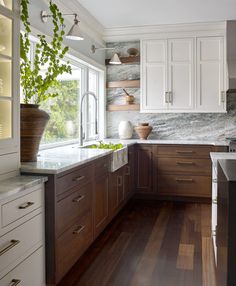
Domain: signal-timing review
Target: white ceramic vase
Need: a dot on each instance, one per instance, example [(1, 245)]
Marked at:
[(125, 130)]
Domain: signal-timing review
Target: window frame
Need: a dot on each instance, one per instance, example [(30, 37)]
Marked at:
[(74, 58)]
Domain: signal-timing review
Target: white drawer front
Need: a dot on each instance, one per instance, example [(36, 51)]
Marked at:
[(20, 207), (20, 240), (30, 272)]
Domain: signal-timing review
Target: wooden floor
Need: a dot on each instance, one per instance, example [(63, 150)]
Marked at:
[(151, 244)]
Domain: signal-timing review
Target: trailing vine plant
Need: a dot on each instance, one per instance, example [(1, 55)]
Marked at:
[(35, 85)]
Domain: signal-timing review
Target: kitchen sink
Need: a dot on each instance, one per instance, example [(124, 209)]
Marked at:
[(119, 157)]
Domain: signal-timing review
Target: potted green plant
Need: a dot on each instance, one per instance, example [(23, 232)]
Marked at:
[(37, 86)]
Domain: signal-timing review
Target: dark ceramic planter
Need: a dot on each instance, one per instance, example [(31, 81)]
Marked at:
[(32, 126)]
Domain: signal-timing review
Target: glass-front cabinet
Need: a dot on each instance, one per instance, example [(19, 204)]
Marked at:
[(9, 85)]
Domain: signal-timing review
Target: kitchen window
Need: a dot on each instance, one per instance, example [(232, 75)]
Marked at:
[(64, 110)]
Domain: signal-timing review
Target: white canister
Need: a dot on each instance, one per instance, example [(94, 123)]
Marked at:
[(125, 130)]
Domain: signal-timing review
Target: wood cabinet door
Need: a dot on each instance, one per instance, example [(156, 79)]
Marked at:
[(210, 74), (144, 169), (181, 74), (100, 204), (154, 75)]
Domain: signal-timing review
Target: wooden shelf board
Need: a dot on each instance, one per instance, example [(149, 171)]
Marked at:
[(124, 107), (126, 60), (123, 83)]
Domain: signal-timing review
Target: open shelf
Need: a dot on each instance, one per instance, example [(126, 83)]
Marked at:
[(123, 84), (126, 60), (124, 107)]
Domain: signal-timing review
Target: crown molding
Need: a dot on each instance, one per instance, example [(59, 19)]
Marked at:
[(135, 33), (88, 24)]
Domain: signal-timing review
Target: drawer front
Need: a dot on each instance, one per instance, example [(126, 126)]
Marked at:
[(185, 165), (101, 167), (73, 179), (20, 240), (73, 206), (189, 186), (30, 272), (20, 207), (184, 151), (71, 245)]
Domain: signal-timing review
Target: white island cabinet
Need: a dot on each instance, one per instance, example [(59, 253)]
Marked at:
[(22, 234)]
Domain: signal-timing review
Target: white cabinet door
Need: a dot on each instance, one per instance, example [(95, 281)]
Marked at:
[(210, 74), (181, 73), (154, 75)]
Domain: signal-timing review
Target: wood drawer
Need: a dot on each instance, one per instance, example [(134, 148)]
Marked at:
[(20, 240), (101, 166), (180, 185), (71, 207), (72, 244), (30, 272), (20, 207), (184, 165), (192, 151), (78, 177)]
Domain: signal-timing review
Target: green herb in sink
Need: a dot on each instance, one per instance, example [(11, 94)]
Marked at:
[(103, 145)]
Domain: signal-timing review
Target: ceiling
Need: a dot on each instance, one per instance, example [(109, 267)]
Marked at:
[(123, 13)]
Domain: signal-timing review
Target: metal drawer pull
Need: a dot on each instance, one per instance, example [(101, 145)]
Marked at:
[(184, 152), (78, 199), (213, 232), (119, 181), (214, 180), (185, 163), (184, 180), (13, 243), (214, 201), (127, 171), (25, 205), (80, 178), (15, 282), (79, 229)]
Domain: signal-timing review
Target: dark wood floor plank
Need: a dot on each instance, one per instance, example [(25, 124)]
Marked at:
[(150, 244)]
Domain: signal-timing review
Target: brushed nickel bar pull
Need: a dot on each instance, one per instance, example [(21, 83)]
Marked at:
[(184, 152), (25, 205), (80, 178), (214, 180), (15, 282), (185, 163), (119, 181), (79, 229), (78, 199), (214, 201), (170, 97), (213, 232), (166, 97), (184, 180), (222, 97), (13, 243)]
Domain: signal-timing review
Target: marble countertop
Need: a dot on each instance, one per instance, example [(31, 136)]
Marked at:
[(14, 185), (229, 169), (61, 159)]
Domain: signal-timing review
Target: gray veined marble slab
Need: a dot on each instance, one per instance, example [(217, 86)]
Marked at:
[(14, 185), (215, 156)]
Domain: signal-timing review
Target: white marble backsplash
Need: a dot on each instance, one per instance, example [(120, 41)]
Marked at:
[(169, 126)]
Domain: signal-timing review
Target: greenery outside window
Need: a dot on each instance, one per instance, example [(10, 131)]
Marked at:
[(64, 110)]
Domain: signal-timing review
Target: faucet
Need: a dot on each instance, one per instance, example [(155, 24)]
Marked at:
[(81, 114)]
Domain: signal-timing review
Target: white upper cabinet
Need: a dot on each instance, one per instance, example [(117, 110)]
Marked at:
[(180, 74), (211, 95), (183, 75), (154, 75)]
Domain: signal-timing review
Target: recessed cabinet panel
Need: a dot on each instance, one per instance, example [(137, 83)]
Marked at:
[(156, 51), (155, 87), (5, 36), (5, 119), (210, 74), (180, 50), (5, 78)]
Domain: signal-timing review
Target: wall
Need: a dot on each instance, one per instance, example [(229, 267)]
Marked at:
[(165, 126)]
